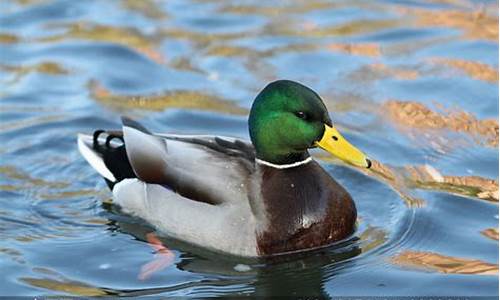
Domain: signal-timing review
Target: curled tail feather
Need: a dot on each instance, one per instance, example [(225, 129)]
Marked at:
[(107, 155)]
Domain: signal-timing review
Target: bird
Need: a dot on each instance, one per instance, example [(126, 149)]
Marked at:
[(259, 199)]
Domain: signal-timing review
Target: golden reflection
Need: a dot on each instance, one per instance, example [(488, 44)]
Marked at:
[(148, 8), (9, 188), (69, 194), (13, 173), (129, 37), (407, 49), (426, 177), (29, 238), (416, 115), (348, 101), (96, 32), (172, 99), (184, 64), (71, 287), (19, 72), (56, 232), (295, 48), (396, 72), (363, 49), (444, 264), (461, 3), (475, 24), (473, 186), (383, 170), (387, 175), (355, 27), (229, 51), (95, 221), (199, 38), (13, 254), (491, 233), (262, 70), (55, 281), (6, 38), (276, 10), (30, 2), (394, 178), (351, 28), (254, 61), (255, 55), (372, 237), (473, 69), (29, 122), (378, 71)]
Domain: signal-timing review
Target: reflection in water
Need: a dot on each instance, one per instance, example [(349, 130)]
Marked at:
[(66, 286), (299, 274), (19, 72), (8, 38), (173, 99), (125, 36), (195, 66), (473, 186), (380, 71), (368, 49), (427, 177), (491, 233), (26, 180), (417, 116), (304, 277), (474, 69), (276, 10), (475, 23), (148, 8), (13, 254), (444, 264)]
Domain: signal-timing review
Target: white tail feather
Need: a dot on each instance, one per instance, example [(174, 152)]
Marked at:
[(94, 160)]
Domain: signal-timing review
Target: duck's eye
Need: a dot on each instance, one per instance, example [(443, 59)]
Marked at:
[(301, 115)]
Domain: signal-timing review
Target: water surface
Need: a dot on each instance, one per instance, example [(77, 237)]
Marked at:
[(412, 83)]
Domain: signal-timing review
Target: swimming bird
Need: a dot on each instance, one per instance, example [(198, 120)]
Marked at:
[(254, 200)]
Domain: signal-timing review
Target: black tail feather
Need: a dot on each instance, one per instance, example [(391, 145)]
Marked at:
[(114, 155)]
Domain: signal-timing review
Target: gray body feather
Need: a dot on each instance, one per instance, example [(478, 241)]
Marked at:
[(187, 187)]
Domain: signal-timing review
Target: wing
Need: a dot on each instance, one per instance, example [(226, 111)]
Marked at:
[(202, 168)]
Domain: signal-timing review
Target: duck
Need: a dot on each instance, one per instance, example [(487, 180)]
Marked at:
[(261, 198)]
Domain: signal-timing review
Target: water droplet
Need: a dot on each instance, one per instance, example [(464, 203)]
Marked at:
[(242, 268)]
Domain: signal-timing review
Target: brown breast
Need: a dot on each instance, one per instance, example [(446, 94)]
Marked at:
[(304, 207)]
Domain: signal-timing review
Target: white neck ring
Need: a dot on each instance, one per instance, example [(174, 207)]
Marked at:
[(285, 166)]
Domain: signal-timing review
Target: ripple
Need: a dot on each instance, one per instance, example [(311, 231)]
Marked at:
[(428, 207)]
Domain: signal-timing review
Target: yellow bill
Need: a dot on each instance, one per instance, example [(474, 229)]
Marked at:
[(334, 143)]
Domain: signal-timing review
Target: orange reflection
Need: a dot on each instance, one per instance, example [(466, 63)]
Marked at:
[(444, 264), (416, 115)]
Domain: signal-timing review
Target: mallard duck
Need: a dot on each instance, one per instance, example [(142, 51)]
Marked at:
[(260, 199)]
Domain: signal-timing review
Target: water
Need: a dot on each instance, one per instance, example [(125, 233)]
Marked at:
[(413, 83)]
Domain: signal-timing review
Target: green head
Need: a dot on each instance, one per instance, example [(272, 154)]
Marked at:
[(287, 118)]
